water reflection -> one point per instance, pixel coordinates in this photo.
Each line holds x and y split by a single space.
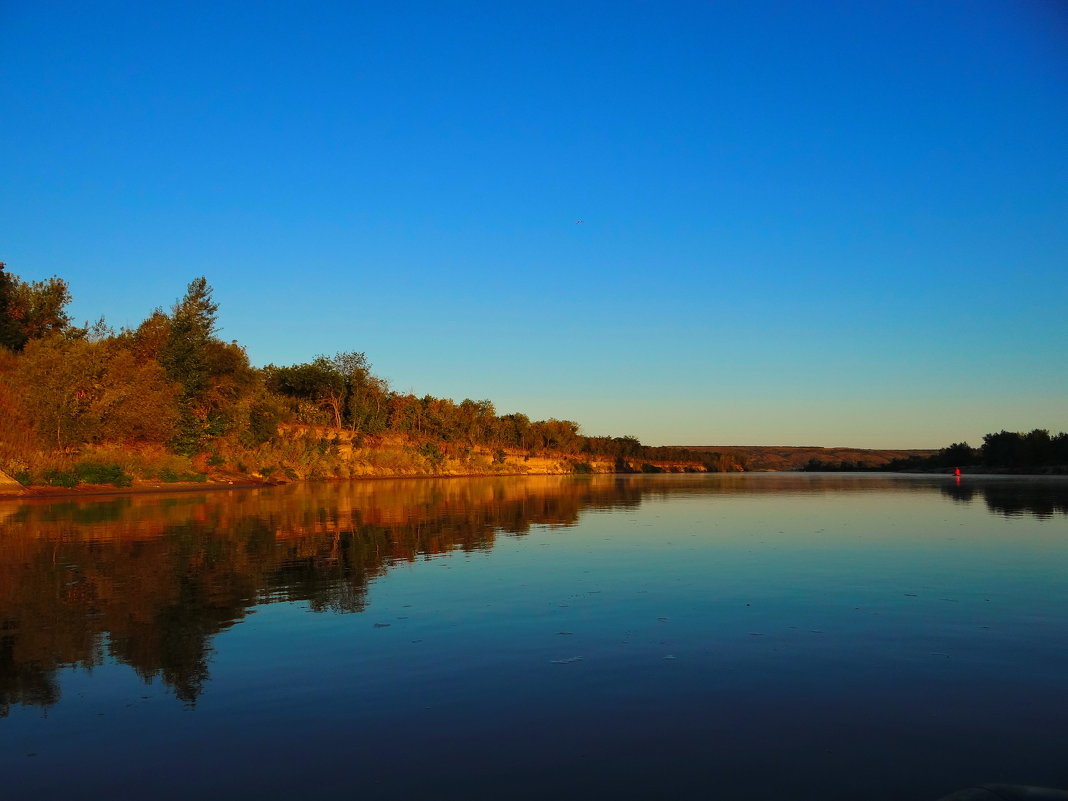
1043 499
149 580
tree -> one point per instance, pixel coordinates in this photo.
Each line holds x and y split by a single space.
10 332
184 355
192 324
150 338
76 391
956 454
1038 447
514 430
319 382
31 310
366 395
134 401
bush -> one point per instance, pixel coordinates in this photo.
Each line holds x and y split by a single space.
432 453
582 468
169 476
60 478
100 473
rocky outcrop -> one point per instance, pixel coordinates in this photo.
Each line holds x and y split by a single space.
8 485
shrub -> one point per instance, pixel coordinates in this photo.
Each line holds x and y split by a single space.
100 473
432 453
583 468
169 476
60 478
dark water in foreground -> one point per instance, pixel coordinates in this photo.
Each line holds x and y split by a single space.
733 637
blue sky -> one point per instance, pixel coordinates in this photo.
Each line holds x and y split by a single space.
804 223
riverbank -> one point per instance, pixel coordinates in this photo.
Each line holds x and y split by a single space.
360 463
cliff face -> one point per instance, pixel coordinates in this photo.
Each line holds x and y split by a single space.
347 455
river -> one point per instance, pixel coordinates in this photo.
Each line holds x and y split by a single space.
764 636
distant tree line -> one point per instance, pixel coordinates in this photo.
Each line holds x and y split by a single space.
171 381
1034 450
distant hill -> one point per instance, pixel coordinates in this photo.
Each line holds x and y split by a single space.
781 457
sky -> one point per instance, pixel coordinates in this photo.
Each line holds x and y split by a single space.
801 223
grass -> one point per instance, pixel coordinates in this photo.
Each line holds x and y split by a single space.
104 464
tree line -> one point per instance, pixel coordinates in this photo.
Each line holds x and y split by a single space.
172 382
1035 450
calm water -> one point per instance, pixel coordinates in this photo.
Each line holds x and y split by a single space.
736 637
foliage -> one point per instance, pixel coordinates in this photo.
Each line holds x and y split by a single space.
31 311
212 375
431 452
1005 450
169 476
100 473
184 353
1037 447
77 391
60 478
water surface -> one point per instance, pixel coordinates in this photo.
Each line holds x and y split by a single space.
744 637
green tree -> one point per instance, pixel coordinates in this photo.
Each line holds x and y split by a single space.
319 382
192 326
514 430
367 402
184 355
31 310
10 332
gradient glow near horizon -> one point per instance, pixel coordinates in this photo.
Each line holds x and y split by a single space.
803 223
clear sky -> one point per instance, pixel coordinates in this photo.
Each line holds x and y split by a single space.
804 222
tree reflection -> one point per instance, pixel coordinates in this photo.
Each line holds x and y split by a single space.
149 580
1042 499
